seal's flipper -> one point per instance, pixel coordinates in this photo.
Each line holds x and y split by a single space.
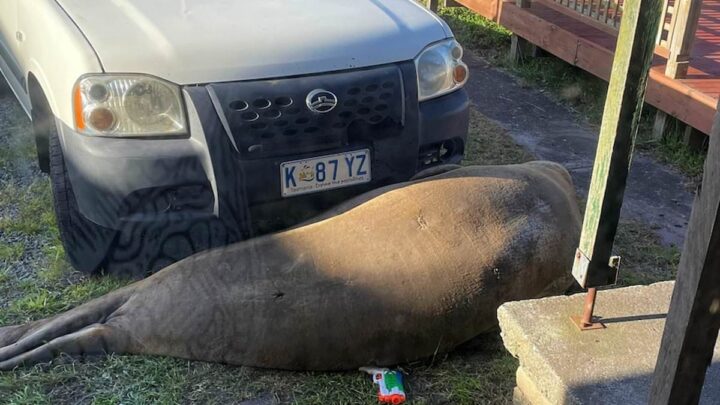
93 340
29 343
11 334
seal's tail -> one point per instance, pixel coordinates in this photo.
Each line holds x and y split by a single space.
81 331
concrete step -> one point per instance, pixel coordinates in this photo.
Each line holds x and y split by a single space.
561 365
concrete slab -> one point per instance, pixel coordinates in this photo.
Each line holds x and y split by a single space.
561 365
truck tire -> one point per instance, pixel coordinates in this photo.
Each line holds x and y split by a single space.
135 250
86 243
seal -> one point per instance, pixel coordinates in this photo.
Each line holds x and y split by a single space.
395 275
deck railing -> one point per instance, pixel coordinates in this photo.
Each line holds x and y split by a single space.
667 25
605 11
679 18
609 12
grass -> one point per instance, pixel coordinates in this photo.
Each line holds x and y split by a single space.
470 375
574 87
4 276
17 154
465 377
32 205
43 301
644 259
674 151
11 252
482 35
489 144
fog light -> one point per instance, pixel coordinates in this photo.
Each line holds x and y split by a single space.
460 73
101 119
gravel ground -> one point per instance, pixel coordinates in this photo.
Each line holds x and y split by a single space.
15 130
26 219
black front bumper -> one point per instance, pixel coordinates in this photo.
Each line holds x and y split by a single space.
378 109
229 168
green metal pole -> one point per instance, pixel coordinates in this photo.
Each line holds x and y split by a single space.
594 266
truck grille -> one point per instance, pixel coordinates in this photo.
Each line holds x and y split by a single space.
270 118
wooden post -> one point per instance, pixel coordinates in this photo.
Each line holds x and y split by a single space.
691 329
662 125
695 139
684 27
521 48
434 5
681 36
626 93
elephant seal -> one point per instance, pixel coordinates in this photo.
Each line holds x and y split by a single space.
392 276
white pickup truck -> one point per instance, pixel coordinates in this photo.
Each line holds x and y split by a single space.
173 126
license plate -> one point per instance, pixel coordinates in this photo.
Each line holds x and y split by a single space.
325 173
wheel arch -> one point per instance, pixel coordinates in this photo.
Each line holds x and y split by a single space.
40 109
35 89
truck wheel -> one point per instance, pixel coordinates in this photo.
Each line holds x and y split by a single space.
86 243
136 250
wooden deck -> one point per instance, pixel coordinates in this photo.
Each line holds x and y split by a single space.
590 45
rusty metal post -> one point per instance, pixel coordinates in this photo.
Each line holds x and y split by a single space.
594 266
586 321
587 318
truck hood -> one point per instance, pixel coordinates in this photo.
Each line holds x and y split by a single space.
201 41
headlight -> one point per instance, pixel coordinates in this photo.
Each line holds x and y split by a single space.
128 105
440 69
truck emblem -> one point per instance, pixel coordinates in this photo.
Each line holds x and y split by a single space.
321 101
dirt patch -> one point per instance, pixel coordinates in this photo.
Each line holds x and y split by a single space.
490 144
